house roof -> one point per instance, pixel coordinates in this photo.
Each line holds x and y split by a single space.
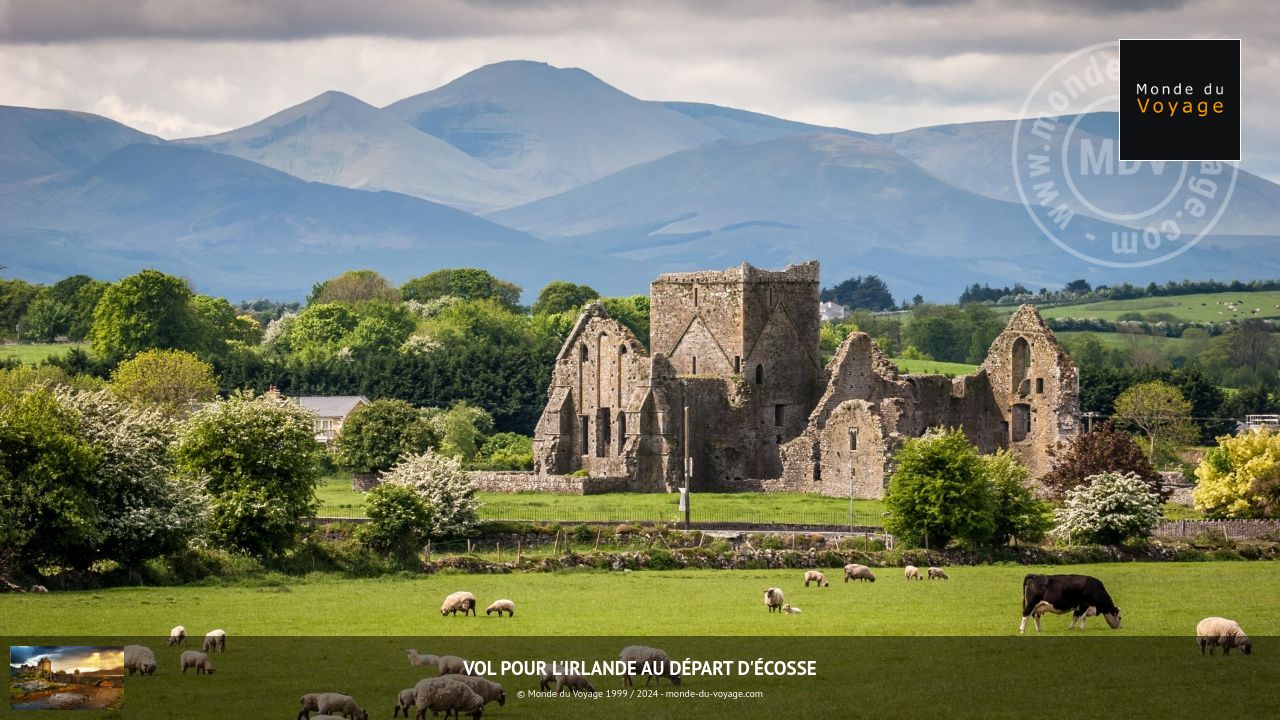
332 406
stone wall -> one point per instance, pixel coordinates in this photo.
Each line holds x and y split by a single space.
529 481
1232 529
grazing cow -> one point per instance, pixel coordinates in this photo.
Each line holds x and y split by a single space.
1080 595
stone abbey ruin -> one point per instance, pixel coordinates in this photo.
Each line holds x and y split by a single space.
736 352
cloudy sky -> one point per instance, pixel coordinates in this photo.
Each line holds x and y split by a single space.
188 67
68 658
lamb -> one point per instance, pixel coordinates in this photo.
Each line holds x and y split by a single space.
215 640
405 701
815 576
484 687
773 599
447 694
660 665
460 601
575 684
911 572
139 659
858 572
501 606
1213 632
549 674
39 589
937 573
177 636
453 665
791 609
331 703
416 659
197 660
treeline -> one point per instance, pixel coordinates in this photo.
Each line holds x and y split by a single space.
1080 291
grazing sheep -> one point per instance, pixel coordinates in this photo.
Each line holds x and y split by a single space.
460 601
552 671
657 660
858 572
911 572
39 589
937 573
416 659
575 684
1213 632
501 606
453 665
139 659
177 636
815 576
403 702
215 640
447 694
331 703
484 687
197 660
791 609
773 599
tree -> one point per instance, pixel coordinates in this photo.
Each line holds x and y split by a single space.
464 283
1111 509
1016 511
560 296
1104 449
506 451
377 435
258 460
939 491
353 287
15 296
320 328
869 293
632 311
46 318
1078 286
144 311
1159 411
400 520
172 381
446 491
1240 478
462 430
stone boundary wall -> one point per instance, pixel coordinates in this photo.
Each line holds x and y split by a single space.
1231 529
512 481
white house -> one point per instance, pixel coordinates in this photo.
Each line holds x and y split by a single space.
331 412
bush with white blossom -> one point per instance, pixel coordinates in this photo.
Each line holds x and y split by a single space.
1108 510
447 492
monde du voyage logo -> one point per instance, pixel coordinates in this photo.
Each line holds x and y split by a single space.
1148 189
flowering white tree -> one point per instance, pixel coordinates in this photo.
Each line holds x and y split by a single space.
1109 509
447 491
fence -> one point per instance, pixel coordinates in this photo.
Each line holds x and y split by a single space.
1230 529
825 519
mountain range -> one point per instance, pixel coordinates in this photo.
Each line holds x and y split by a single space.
540 173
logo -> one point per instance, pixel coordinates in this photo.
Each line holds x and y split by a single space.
1082 196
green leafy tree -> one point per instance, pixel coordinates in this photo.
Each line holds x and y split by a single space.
462 430
444 488
506 451
1111 509
46 318
1104 449
171 381
1159 412
1016 511
381 328
377 435
939 492
354 287
258 460
320 328
867 293
400 520
560 296
149 310
1240 478
15 296
464 283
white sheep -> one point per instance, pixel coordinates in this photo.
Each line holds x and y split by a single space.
574 684
453 665
460 601
197 660
550 672
331 703
416 659
403 702
177 636
911 572
139 659
39 589
659 664
501 606
937 573
791 609
773 599
1213 632
215 640
447 694
853 571
815 576
484 687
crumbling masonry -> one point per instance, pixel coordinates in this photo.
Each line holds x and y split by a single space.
737 353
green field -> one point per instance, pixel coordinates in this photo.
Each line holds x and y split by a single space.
1204 307
933 367
33 353
1168 346
900 649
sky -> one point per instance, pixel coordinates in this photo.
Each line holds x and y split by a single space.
68 658
179 68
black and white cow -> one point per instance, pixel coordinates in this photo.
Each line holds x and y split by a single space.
1080 595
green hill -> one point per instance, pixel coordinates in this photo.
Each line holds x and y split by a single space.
1203 307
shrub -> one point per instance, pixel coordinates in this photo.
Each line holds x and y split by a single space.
939 492
1241 477
445 490
1112 508
1105 449
506 451
169 380
376 436
1016 511
400 520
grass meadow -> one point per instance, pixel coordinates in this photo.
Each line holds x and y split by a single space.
32 353
1202 307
